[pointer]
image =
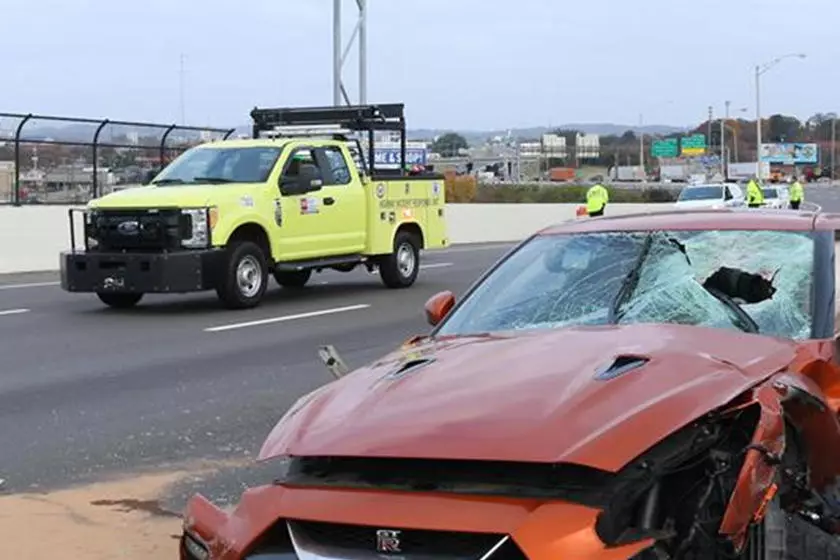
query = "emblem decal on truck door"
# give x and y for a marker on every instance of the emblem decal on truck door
(308, 205)
(380, 190)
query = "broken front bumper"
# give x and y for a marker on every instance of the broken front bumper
(270, 523)
(173, 272)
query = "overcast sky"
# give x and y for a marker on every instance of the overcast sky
(455, 63)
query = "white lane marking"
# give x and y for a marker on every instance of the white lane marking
(13, 312)
(467, 248)
(283, 318)
(30, 285)
(434, 265)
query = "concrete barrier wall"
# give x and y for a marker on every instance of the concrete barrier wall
(31, 237)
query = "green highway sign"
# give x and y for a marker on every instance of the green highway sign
(694, 145)
(665, 148)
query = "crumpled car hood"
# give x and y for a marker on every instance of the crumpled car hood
(530, 396)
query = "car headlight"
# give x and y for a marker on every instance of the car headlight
(90, 228)
(201, 222)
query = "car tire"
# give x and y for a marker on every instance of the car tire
(292, 278)
(400, 268)
(244, 276)
(119, 300)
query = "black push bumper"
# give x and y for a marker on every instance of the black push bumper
(173, 272)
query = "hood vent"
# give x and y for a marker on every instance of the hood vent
(619, 366)
(410, 366)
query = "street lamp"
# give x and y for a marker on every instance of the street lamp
(759, 70)
(723, 125)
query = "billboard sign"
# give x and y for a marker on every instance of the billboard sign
(694, 145)
(790, 154)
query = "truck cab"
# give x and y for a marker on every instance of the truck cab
(300, 196)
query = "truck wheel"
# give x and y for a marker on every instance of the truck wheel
(400, 268)
(292, 278)
(245, 276)
(119, 301)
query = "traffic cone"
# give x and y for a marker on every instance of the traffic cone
(581, 211)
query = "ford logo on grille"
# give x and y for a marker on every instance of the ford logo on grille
(129, 228)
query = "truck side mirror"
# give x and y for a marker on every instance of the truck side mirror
(149, 176)
(307, 180)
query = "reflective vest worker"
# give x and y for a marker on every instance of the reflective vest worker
(755, 196)
(796, 194)
(596, 200)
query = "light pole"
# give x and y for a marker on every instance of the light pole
(759, 70)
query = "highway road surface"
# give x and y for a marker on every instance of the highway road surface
(87, 392)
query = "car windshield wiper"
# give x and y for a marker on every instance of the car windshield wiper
(212, 180)
(748, 323)
(628, 285)
(168, 181)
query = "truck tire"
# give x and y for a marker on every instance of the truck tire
(119, 301)
(292, 278)
(400, 268)
(244, 276)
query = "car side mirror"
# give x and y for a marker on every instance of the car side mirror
(438, 306)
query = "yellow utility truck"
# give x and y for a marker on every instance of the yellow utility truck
(302, 195)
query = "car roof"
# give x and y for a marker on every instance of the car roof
(703, 219)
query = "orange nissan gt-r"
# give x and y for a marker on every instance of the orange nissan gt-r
(658, 386)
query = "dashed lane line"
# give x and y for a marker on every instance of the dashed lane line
(284, 318)
(5, 312)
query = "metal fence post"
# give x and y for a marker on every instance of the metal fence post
(19, 129)
(95, 154)
(163, 143)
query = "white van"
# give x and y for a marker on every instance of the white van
(712, 195)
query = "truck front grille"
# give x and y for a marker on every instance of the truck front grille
(139, 230)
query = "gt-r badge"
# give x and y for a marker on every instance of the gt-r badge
(388, 540)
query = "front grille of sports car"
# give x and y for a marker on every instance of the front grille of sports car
(138, 229)
(575, 483)
(339, 540)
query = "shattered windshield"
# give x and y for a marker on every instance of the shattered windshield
(753, 281)
(220, 165)
(701, 193)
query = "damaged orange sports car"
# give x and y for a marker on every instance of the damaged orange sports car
(658, 386)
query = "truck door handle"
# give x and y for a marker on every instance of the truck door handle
(329, 201)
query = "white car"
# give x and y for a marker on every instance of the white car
(713, 195)
(776, 196)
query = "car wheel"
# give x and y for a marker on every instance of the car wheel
(400, 268)
(119, 301)
(292, 278)
(245, 276)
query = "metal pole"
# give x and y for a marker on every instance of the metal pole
(758, 121)
(723, 166)
(641, 143)
(336, 52)
(181, 92)
(833, 142)
(362, 51)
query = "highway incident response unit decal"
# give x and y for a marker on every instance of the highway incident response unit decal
(309, 205)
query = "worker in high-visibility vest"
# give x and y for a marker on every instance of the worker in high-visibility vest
(755, 196)
(797, 194)
(596, 200)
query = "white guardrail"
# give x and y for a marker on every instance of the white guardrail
(31, 237)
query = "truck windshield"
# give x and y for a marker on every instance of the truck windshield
(220, 165)
(557, 281)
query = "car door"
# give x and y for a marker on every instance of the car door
(297, 230)
(343, 211)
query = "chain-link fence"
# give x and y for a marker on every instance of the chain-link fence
(58, 160)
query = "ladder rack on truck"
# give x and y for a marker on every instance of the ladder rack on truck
(337, 123)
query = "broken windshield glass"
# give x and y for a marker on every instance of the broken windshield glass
(736, 280)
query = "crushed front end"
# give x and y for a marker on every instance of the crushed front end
(142, 250)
